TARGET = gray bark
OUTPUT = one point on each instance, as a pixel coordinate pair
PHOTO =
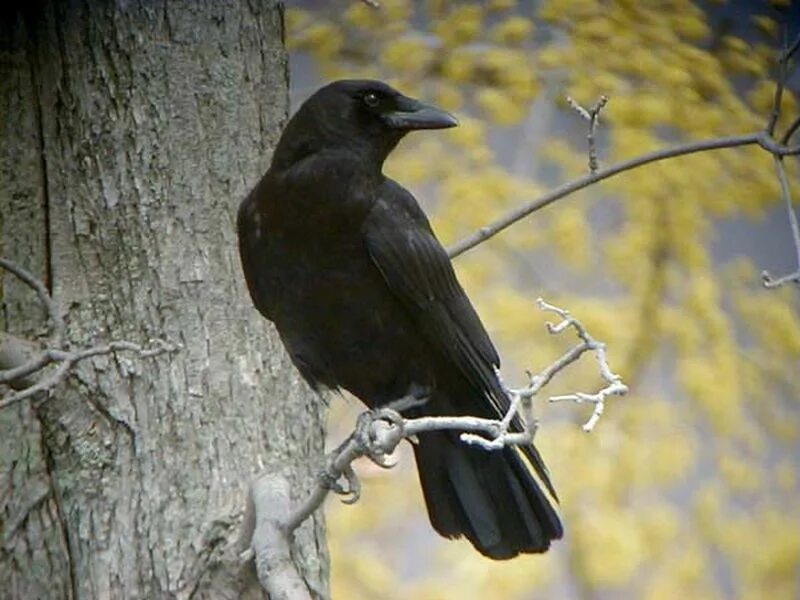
(129, 133)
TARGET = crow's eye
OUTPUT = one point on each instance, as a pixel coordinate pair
(371, 99)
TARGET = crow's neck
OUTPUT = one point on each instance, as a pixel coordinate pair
(303, 140)
(368, 156)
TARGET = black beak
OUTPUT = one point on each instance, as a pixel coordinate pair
(412, 114)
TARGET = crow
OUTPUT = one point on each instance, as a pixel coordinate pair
(344, 262)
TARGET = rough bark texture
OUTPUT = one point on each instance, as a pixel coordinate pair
(129, 132)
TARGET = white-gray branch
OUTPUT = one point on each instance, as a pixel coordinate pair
(267, 512)
(593, 116)
(378, 433)
(766, 278)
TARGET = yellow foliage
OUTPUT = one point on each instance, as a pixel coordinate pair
(611, 547)
(513, 30)
(642, 110)
(391, 18)
(510, 70)
(449, 97)
(469, 133)
(460, 26)
(683, 331)
(691, 26)
(660, 527)
(571, 236)
(408, 53)
(786, 476)
(682, 574)
(712, 385)
(597, 30)
(500, 5)
(552, 58)
(458, 66)
(774, 320)
(357, 14)
(322, 39)
(740, 474)
(766, 25)
(394, 11)
(499, 106)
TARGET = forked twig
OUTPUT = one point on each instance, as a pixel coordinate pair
(20, 374)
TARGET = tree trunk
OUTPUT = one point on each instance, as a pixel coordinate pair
(130, 132)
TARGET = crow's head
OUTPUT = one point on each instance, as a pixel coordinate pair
(358, 115)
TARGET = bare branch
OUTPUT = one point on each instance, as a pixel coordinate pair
(783, 74)
(22, 371)
(766, 278)
(783, 62)
(20, 366)
(54, 316)
(484, 233)
(764, 139)
(790, 131)
(378, 433)
(615, 386)
(268, 504)
(68, 360)
(793, 48)
(14, 352)
(593, 116)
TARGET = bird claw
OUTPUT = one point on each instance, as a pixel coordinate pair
(376, 450)
(350, 492)
(389, 414)
(371, 444)
(332, 483)
(353, 486)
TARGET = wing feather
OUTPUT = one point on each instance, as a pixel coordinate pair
(417, 269)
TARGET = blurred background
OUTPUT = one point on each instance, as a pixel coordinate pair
(688, 487)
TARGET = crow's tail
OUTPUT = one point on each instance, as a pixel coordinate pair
(501, 500)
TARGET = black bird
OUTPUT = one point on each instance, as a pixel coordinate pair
(344, 262)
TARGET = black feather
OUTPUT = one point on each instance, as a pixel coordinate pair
(344, 262)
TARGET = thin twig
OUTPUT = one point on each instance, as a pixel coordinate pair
(783, 63)
(56, 353)
(68, 360)
(519, 213)
(766, 278)
(793, 48)
(488, 231)
(53, 315)
(33, 365)
(15, 351)
(593, 116)
(790, 131)
(615, 386)
(783, 74)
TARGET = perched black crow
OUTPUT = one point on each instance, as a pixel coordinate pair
(344, 262)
